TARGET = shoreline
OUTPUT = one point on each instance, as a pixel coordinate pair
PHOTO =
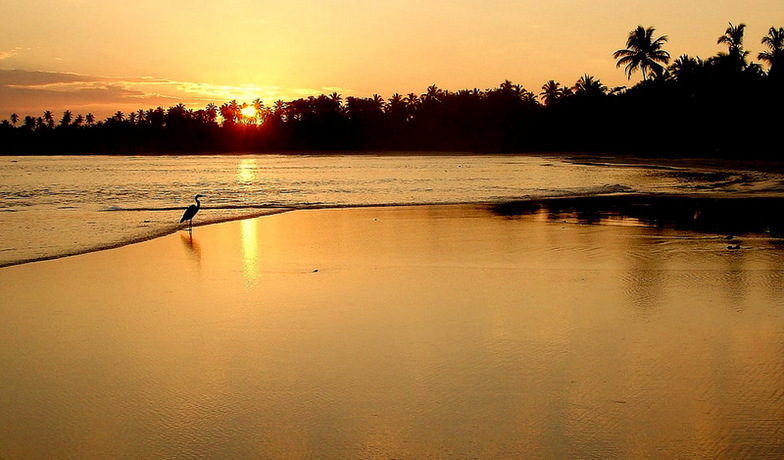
(720, 215)
(139, 239)
(397, 332)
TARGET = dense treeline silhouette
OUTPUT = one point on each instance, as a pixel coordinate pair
(722, 106)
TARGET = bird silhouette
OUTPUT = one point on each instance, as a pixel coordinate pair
(191, 211)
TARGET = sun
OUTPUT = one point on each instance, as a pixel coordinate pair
(248, 112)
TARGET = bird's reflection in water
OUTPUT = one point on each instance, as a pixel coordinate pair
(194, 251)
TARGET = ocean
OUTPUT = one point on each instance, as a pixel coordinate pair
(53, 206)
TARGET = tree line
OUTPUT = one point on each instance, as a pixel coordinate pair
(724, 105)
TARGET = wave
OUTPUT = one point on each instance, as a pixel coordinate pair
(139, 235)
(180, 208)
(731, 215)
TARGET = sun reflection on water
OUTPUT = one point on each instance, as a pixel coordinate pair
(248, 235)
(246, 171)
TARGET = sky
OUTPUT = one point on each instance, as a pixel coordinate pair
(102, 56)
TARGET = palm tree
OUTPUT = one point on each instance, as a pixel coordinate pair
(396, 105)
(212, 112)
(49, 118)
(643, 53)
(395, 101)
(685, 67)
(14, 119)
(336, 97)
(280, 109)
(90, 119)
(733, 38)
(67, 117)
(231, 112)
(258, 106)
(552, 92)
(775, 54)
(434, 93)
(412, 100)
(507, 87)
(376, 103)
(588, 85)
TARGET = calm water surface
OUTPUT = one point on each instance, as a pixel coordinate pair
(59, 205)
(411, 333)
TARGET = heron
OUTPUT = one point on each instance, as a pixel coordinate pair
(191, 211)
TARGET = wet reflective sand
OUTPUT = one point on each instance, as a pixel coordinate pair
(415, 332)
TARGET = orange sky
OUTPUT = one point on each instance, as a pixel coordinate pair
(112, 55)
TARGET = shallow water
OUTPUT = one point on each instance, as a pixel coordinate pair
(59, 205)
(414, 332)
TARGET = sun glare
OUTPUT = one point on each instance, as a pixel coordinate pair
(249, 112)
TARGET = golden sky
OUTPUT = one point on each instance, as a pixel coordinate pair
(108, 55)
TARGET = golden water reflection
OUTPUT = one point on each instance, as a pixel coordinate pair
(249, 240)
(246, 171)
(426, 332)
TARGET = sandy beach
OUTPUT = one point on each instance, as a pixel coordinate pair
(398, 332)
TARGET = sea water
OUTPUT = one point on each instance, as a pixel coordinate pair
(51, 206)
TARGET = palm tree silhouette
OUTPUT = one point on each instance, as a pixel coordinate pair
(643, 53)
(258, 108)
(211, 112)
(433, 94)
(229, 113)
(553, 92)
(336, 97)
(587, 84)
(733, 38)
(14, 119)
(395, 102)
(774, 41)
(685, 66)
(67, 118)
(49, 118)
(376, 103)
(411, 100)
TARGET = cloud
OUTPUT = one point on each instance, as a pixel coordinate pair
(32, 92)
(10, 53)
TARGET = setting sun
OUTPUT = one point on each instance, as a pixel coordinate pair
(248, 112)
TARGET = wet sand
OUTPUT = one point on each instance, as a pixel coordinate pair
(411, 332)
